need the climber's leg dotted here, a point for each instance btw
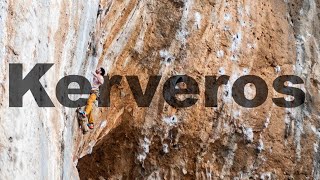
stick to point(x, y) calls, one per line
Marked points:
point(90, 118)
point(90, 103)
point(89, 107)
point(90, 124)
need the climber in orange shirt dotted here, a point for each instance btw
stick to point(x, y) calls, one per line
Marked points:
point(94, 94)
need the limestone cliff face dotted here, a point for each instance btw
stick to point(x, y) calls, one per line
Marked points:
point(39, 143)
point(168, 37)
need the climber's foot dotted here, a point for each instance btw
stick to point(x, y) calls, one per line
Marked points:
point(90, 125)
point(83, 114)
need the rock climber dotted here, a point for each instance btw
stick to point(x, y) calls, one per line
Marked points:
point(94, 94)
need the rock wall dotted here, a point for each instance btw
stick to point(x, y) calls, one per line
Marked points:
point(38, 143)
point(168, 37)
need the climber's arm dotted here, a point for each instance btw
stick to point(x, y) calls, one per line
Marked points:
point(94, 73)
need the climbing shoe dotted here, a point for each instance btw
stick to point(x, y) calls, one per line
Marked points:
point(90, 125)
point(83, 114)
